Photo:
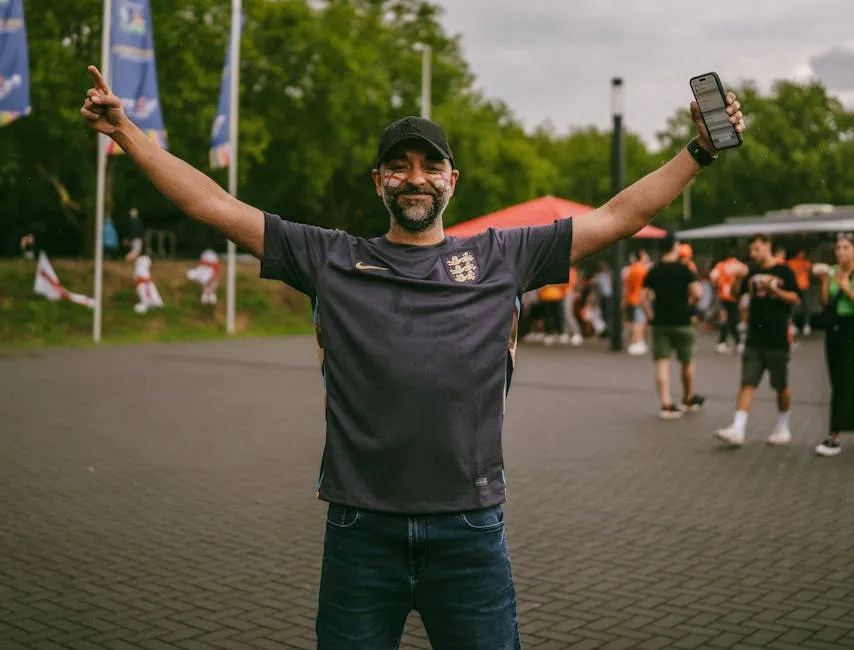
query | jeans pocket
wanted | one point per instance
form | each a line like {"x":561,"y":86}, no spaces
{"x":484,"y":520}
{"x":342,"y":516}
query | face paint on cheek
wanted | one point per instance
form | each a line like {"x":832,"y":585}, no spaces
{"x":442,"y":183}
{"x":392,"y":180}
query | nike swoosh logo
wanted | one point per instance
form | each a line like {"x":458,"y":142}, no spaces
{"x":361,"y":266}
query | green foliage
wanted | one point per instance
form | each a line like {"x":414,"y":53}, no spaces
{"x":798,"y":149}
{"x":320,"y":79}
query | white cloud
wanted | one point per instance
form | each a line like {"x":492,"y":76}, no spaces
{"x":553,"y":59}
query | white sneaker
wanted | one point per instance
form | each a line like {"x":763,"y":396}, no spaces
{"x":731,"y":436}
{"x":829,"y":447}
{"x":550,"y":339}
{"x":637,"y":349}
{"x":670,"y":412}
{"x":780,"y":437}
{"x":577,"y":340}
{"x":723,"y":348}
{"x":740,"y":349}
{"x":534,"y":337}
{"x":807,"y":330}
{"x":564,"y":339}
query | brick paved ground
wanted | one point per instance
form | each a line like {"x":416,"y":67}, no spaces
{"x":162,"y":497}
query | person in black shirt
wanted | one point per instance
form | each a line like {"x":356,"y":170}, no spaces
{"x":671,"y":290}
{"x":417,"y":337}
{"x":773,"y":292}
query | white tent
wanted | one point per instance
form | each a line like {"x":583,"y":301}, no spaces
{"x":725,"y":230}
{"x":802,"y":219}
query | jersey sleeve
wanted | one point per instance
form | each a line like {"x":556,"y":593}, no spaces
{"x":537,"y":255}
{"x":295,"y":253}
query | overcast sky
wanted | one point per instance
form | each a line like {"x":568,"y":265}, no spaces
{"x":553,"y":59}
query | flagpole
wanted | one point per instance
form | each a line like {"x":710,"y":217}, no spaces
{"x":425,"y":82}
{"x":101,"y":186}
{"x":234,"y":102}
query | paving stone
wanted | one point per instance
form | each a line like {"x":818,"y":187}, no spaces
{"x":162,"y":496}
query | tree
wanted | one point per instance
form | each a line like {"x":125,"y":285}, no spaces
{"x":798,"y":149}
{"x":320,"y":79}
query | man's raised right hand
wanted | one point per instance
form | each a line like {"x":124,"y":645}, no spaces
{"x":102,"y":110}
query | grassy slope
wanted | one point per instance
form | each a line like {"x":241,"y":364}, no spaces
{"x":264,"y":308}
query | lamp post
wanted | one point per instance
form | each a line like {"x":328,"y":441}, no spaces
{"x":233,"y":107}
{"x":101,"y":193}
{"x":426,"y":78}
{"x":616,"y":186}
{"x":686,"y":204}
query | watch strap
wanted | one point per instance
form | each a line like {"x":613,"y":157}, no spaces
{"x":698,"y":153}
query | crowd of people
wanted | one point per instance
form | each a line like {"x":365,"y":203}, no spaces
{"x":761,"y":304}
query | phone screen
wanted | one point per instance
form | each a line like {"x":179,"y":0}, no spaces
{"x":713,"y":108}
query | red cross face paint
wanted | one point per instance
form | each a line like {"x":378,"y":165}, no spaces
{"x":392,"y":179}
{"x":416,"y":188}
{"x":442,"y":182}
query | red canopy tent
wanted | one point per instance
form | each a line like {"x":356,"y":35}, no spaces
{"x":537,"y":212}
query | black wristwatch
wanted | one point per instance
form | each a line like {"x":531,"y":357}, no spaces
{"x":703,"y":157}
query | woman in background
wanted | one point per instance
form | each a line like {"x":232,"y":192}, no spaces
{"x":837,"y":298}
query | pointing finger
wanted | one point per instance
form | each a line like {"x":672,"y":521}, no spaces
{"x":100,"y":84}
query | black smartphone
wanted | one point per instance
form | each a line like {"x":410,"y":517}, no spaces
{"x":711,"y":96}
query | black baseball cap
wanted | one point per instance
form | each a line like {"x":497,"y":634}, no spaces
{"x":414,"y":128}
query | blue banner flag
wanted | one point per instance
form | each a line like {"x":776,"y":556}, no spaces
{"x":14,"y":63}
{"x":133,"y":72}
{"x":220,"y":151}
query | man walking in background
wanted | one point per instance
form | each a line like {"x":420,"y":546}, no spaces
{"x":417,"y":332}
{"x":672,"y":290}
{"x":773,"y":292}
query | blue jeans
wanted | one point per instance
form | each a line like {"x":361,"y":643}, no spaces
{"x":453,"y":569}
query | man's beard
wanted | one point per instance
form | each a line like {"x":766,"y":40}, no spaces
{"x":420,"y":215}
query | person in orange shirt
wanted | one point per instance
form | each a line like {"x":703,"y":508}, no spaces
{"x":802,"y":268}
{"x":633,"y":300}
{"x":725,"y":275}
{"x":551,"y":306}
